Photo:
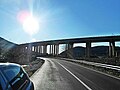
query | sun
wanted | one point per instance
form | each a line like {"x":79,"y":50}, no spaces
{"x":31,"y":25}
{"x":29,"y":22}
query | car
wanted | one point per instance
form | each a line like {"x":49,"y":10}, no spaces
{"x":14,"y":77}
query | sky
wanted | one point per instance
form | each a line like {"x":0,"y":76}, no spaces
{"x":58,"y":19}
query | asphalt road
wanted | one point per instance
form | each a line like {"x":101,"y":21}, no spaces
{"x":63,"y":75}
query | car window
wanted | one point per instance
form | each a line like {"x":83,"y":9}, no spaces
{"x":11,"y":72}
{"x":17,"y":77}
{"x":19,"y":81}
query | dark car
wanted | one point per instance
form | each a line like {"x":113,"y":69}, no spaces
{"x":13,"y":77}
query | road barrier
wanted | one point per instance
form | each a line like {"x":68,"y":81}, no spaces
{"x":112,"y":67}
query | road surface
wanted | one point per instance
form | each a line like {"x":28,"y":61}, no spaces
{"x":58,"y":74}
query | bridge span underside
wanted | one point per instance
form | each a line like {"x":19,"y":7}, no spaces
{"x":41,"y":48}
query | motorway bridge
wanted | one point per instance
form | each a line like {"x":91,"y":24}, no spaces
{"x":40,"y":48}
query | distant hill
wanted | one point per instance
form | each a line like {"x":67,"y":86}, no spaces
{"x":98,"y":51}
{"x":74,"y":52}
{"x":5,"y":45}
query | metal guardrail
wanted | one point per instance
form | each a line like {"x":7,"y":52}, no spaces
{"x":117,"y":68}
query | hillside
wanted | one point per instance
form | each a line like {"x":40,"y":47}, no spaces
{"x":5,"y":45}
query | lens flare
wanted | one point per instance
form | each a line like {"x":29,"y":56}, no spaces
{"x":31,"y":25}
{"x":29,"y":22}
{"x":22,"y":15}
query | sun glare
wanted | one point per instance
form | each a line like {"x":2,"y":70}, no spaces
{"x":29,"y":22}
{"x":31,"y":25}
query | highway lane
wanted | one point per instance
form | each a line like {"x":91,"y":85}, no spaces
{"x":51,"y":76}
{"x":95,"y":80}
{"x":63,"y":75}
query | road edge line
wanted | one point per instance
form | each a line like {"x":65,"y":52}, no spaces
{"x":75,"y":76}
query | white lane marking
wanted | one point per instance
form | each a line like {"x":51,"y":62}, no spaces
{"x":75,"y":76}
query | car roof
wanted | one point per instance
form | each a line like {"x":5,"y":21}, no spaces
{"x":2,"y":65}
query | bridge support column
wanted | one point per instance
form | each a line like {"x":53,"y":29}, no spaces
{"x":29,"y":50}
{"x":25,"y":49}
{"x":50,"y":50}
{"x":88,"y":47}
{"x":45,"y":49}
{"x":57,"y":49}
{"x":36,"y":49}
{"x":66,"y":47}
{"x":33,"y":48}
{"x":53,"y":50}
{"x":40,"y":49}
{"x":70,"y":45}
{"x":112,"y":49}
{"x":70,"y":52}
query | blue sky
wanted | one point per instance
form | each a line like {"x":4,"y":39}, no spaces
{"x":60,"y":19}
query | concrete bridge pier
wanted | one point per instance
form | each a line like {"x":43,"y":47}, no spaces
{"x":29,"y":51}
{"x":29,"y":48}
{"x":57,"y":49}
{"x":70,"y":53}
{"x":50,"y":51}
{"x":88,"y":51}
{"x":40,"y":49}
{"x":33,"y":48}
{"x":54,"y":49}
{"x":68,"y":46}
{"x":36,"y":49}
{"x":44,"y":49}
{"x":112,"y":49}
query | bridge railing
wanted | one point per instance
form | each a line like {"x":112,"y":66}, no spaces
{"x":112,"y":67}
